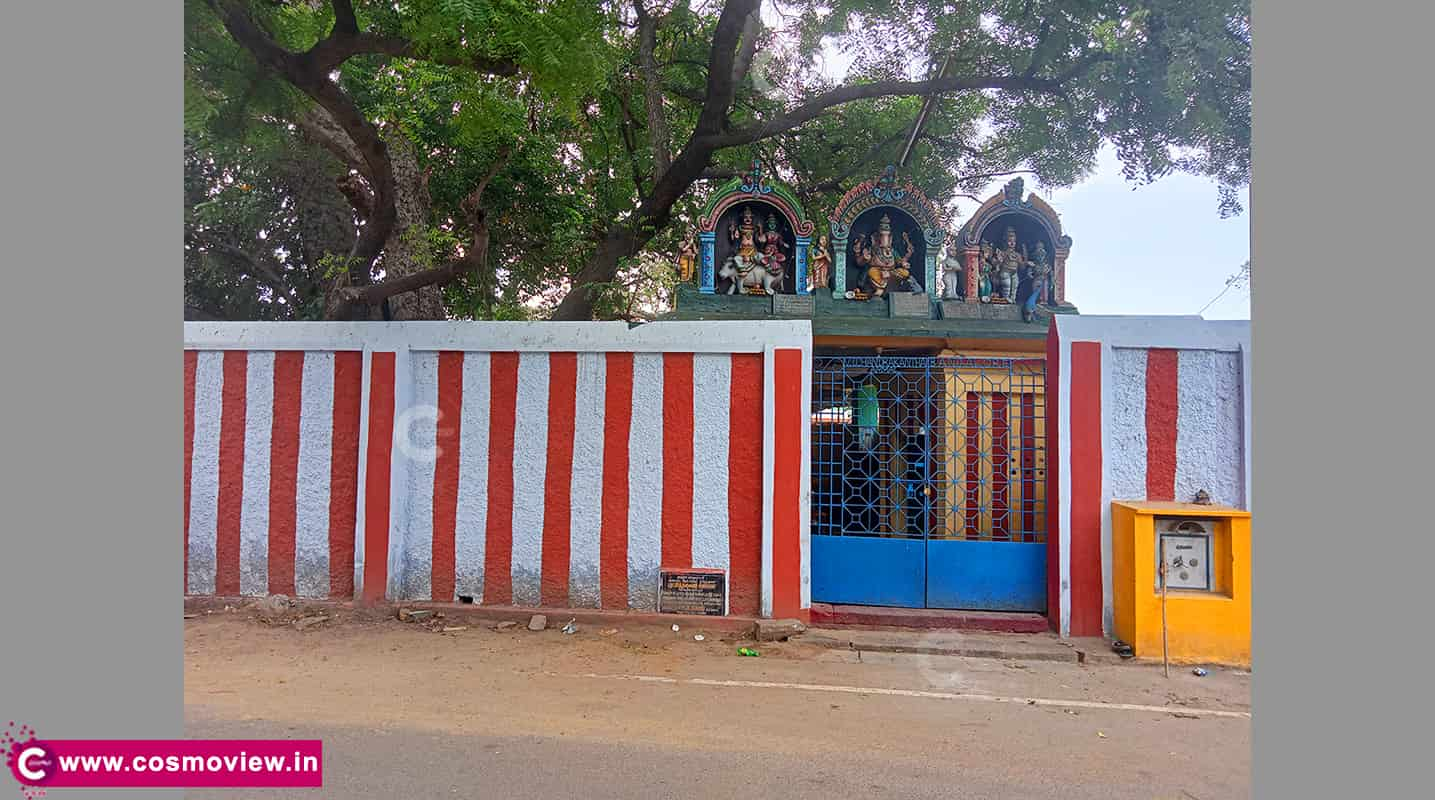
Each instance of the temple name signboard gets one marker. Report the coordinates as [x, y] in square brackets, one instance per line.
[692, 591]
[792, 305]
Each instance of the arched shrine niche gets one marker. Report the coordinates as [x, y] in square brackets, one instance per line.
[754, 239]
[885, 239]
[1019, 243]
[1013, 251]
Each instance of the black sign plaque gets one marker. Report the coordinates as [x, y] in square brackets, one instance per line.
[692, 591]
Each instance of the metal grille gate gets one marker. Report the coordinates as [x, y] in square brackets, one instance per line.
[929, 482]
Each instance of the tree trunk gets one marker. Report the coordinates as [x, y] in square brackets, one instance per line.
[406, 251]
[325, 221]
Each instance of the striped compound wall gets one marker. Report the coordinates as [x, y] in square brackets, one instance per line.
[1148, 408]
[528, 464]
[271, 480]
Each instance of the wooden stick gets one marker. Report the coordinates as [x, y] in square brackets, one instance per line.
[1165, 661]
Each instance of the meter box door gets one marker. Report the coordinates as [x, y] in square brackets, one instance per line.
[1186, 545]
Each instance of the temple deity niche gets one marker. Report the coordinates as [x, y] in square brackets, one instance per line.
[754, 239]
[886, 236]
[1014, 253]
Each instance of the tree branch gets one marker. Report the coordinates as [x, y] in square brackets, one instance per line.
[332, 52]
[653, 91]
[309, 73]
[319, 127]
[358, 194]
[1037, 54]
[344, 20]
[852, 167]
[815, 107]
[747, 50]
[259, 267]
[626, 130]
[622, 239]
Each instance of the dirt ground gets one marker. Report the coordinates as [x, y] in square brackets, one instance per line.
[649, 695]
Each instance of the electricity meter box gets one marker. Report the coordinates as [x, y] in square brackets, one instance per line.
[1185, 544]
[1204, 616]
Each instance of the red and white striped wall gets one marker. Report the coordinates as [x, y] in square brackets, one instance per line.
[271, 472]
[1146, 408]
[531, 464]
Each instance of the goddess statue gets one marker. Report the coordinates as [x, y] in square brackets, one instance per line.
[821, 263]
[772, 247]
[1040, 273]
[746, 235]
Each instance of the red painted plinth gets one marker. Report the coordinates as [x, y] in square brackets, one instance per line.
[825, 615]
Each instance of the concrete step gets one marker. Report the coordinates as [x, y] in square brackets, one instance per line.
[833, 616]
[1006, 646]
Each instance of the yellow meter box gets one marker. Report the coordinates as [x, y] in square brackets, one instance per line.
[1207, 551]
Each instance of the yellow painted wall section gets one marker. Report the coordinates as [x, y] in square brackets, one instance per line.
[967, 388]
[1201, 627]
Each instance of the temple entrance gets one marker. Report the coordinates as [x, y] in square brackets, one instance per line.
[929, 482]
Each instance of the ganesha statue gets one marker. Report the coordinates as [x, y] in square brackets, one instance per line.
[883, 266]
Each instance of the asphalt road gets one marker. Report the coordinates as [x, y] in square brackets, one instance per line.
[405, 712]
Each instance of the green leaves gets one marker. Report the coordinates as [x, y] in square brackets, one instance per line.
[555, 86]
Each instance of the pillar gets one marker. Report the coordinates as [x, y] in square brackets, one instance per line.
[803, 243]
[839, 267]
[972, 257]
[931, 284]
[1059, 270]
[707, 277]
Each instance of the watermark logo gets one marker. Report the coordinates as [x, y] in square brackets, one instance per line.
[30, 760]
[758, 75]
[154, 763]
[938, 662]
[422, 448]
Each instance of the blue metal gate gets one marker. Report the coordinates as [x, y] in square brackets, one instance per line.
[929, 482]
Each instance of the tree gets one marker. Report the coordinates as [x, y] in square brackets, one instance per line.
[618, 113]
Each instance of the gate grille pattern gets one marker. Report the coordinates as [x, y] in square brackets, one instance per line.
[929, 448]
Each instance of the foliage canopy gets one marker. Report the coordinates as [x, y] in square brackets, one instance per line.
[511, 159]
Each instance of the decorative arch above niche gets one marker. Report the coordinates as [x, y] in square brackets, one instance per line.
[1032, 219]
[753, 193]
[908, 210]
